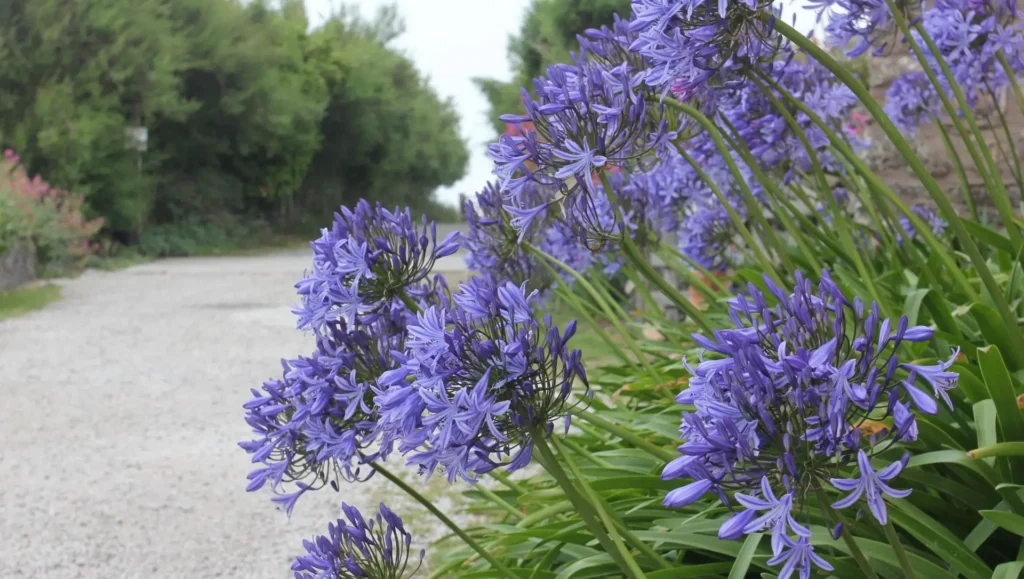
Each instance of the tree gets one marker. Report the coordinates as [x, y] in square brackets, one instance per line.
[547, 36]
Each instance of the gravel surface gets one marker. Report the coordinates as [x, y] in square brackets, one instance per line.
[120, 412]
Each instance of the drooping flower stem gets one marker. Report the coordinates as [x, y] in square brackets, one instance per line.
[949, 212]
[901, 553]
[591, 513]
[851, 543]
[444, 519]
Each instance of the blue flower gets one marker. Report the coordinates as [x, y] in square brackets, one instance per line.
[937, 376]
[374, 549]
[871, 486]
[478, 379]
[798, 557]
[778, 516]
[779, 411]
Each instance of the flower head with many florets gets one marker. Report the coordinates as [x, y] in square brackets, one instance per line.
[479, 379]
[780, 411]
[359, 549]
[368, 258]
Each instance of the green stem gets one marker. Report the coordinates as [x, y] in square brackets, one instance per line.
[409, 303]
[737, 221]
[726, 153]
[876, 184]
[615, 527]
[851, 543]
[444, 519]
[494, 498]
[644, 267]
[629, 436]
[612, 317]
[897, 139]
[901, 553]
[584, 508]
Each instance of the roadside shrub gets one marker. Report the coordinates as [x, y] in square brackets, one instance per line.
[50, 218]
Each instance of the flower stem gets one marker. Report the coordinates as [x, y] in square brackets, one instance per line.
[851, 543]
[585, 508]
[630, 437]
[441, 516]
[614, 526]
[901, 553]
[408, 301]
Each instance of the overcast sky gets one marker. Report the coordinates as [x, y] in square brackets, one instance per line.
[452, 41]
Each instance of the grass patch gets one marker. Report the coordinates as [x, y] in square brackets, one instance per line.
[596, 351]
[27, 299]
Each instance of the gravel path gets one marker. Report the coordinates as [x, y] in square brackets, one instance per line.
[120, 410]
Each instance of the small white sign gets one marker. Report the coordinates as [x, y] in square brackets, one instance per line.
[137, 138]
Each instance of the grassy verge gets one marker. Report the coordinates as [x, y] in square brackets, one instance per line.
[27, 299]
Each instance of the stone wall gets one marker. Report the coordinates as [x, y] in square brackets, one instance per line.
[17, 266]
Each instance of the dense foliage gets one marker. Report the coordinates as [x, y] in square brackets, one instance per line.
[251, 115]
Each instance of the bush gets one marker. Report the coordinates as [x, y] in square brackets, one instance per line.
[194, 235]
[50, 218]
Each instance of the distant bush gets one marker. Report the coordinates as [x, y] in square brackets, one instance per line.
[211, 235]
[51, 218]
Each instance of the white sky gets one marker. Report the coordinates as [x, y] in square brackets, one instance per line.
[452, 41]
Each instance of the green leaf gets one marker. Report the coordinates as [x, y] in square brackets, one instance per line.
[1008, 570]
[1001, 449]
[985, 425]
[687, 571]
[1009, 521]
[972, 386]
[912, 305]
[742, 563]
[988, 236]
[1000, 389]
[602, 560]
[984, 529]
[993, 328]
[882, 552]
[938, 539]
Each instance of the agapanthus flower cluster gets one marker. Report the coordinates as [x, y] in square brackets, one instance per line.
[479, 379]
[936, 224]
[586, 117]
[968, 35]
[911, 101]
[369, 257]
[781, 408]
[311, 425]
[687, 42]
[357, 548]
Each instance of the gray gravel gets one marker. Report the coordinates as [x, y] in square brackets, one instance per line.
[120, 410]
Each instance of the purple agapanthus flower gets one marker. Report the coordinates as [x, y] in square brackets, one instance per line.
[378, 548]
[871, 486]
[368, 258]
[471, 394]
[780, 406]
